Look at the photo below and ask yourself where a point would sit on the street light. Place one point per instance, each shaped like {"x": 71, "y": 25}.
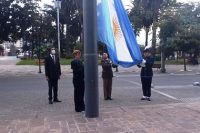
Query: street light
{"x": 58, "y": 7}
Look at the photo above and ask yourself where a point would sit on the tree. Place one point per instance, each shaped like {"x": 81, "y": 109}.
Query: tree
{"x": 16, "y": 17}
{"x": 169, "y": 24}
{"x": 146, "y": 13}
{"x": 71, "y": 24}
{"x": 135, "y": 16}
{"x": 156, "y": 6}
{"x": 141, "y": 17}
{"x": 187, "y": 39}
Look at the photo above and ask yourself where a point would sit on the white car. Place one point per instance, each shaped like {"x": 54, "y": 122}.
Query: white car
{"x": 20, "y": 55}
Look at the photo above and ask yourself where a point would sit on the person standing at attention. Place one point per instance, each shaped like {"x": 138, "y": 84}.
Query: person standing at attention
{"x": 107, "y": 75}
{"x": 52, "y": 73}
{"x": 78, "y": 81}
{"x": 146, "y": 74}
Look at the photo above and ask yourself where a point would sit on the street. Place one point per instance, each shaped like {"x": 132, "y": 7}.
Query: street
{"x": 29, "y": 93}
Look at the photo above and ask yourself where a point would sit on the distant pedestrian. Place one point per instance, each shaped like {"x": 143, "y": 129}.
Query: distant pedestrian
{"x": 146, "y": 74}
{"x": 53, "y": 73}
{"x": 107, "y": 75}
{"x": 78, "y": 81}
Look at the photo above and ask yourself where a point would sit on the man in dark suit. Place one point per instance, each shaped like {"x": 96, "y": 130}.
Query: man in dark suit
{"x": 52, "y": 72}
{"x": 107, "y": 75}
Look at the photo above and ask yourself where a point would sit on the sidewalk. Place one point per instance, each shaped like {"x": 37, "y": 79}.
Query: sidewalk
{"x": 26, "y": 70}
{"x": 7, "y": 65}
{"x": 171, "y": 118}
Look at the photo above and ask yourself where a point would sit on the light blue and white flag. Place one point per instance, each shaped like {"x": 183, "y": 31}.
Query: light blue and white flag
{"x": 114, "y": 29}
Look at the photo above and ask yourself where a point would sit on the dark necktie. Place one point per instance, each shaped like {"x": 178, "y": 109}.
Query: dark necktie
{"x": 54, "y": 60}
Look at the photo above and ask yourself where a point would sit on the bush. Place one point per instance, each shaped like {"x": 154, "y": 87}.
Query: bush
{"x": 157, "y": 58}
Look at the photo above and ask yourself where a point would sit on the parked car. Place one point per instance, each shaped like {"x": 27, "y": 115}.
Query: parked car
{"x": 20, "y": 55}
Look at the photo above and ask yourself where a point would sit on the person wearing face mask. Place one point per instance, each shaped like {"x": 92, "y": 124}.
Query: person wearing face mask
{"x": 52, "y": 73}
{"x": 146, "y": 74}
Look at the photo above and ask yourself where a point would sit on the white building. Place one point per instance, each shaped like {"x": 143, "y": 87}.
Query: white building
{"x": 7, "y": 45}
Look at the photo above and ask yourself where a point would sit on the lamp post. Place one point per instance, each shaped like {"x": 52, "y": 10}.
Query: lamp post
{"x": 58, "y": 7}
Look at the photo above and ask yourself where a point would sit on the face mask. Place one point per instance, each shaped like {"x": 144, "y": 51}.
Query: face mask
{"x": 53, "y": 52}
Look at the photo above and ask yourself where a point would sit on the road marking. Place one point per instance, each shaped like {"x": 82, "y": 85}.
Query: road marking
{"x": 158, "y": 75}
{"x": 132, "y": 82}
{"x": 174, "y": 86}
{"x": 164, "y": 94}
{"x": 159, "y": 92}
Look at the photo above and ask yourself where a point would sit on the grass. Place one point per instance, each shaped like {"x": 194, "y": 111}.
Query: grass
{"x": 172, "y": 62}
{"x": 175, "y": 62}
{"x": 63, "y": 61}
{"x": 26, "y": 62}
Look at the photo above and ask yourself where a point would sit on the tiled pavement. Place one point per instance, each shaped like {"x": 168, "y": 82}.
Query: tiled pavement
{"x": 26, "y": 70}
{"x": 170, "y": 118}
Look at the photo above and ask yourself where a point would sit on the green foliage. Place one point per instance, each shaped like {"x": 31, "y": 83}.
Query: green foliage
{"x": 169, "y": 26}
{"x": 16, "y": 18}
{"x": 180, "y": 29}
{"x": 64, "y": 61}
{"x": 78, "y": 46}
{"x": 24, "y": 19}
{"x": 26, "y": 62}
{"x": 43, "y": 49}
{"x": 175, "y": 62}
{"x": 140, "y": 16}
{"x": 33, "y": 62}
{"x": 187, "y": 39}
{"x": 146, "y": 13}
{"x": 71, "y": 24}
{"x": 157, "y": 57}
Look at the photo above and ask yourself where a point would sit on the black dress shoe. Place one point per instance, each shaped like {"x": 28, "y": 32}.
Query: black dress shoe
{"x": 57, "y": 101}
{"x": 110, "y": 98}
{"x": 107, "y": 98}
{"x": 148, "y": 99}
{"x": 50, "y": 102}
{"x": 143, "y": 98}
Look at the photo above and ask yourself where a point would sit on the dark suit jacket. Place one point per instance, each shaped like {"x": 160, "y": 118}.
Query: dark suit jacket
{"x": 52, "y": 70}
{"x": 78, "y": 70}
{"x": 107, "y": 72}
{"x": 147, "y": 71}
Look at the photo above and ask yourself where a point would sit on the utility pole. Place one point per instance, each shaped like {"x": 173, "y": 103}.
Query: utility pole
{"x": 90, "y": 59}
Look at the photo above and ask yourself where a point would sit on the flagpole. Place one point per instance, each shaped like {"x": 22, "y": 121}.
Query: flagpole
{"x": 90, "y": 59}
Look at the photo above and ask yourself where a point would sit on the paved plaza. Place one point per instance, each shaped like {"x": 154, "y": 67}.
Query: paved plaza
{"x": 175, "y": 105}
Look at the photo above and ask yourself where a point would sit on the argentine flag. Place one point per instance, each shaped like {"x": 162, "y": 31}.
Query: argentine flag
{"x": 114, "y": 29}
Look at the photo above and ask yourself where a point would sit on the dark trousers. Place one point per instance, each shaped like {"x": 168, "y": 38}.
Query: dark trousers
{"x": 146, "y": 86}
{"x": 107, "y": 87}
{"x": 79, "y": 96}
{"x": 53, "y": 87}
